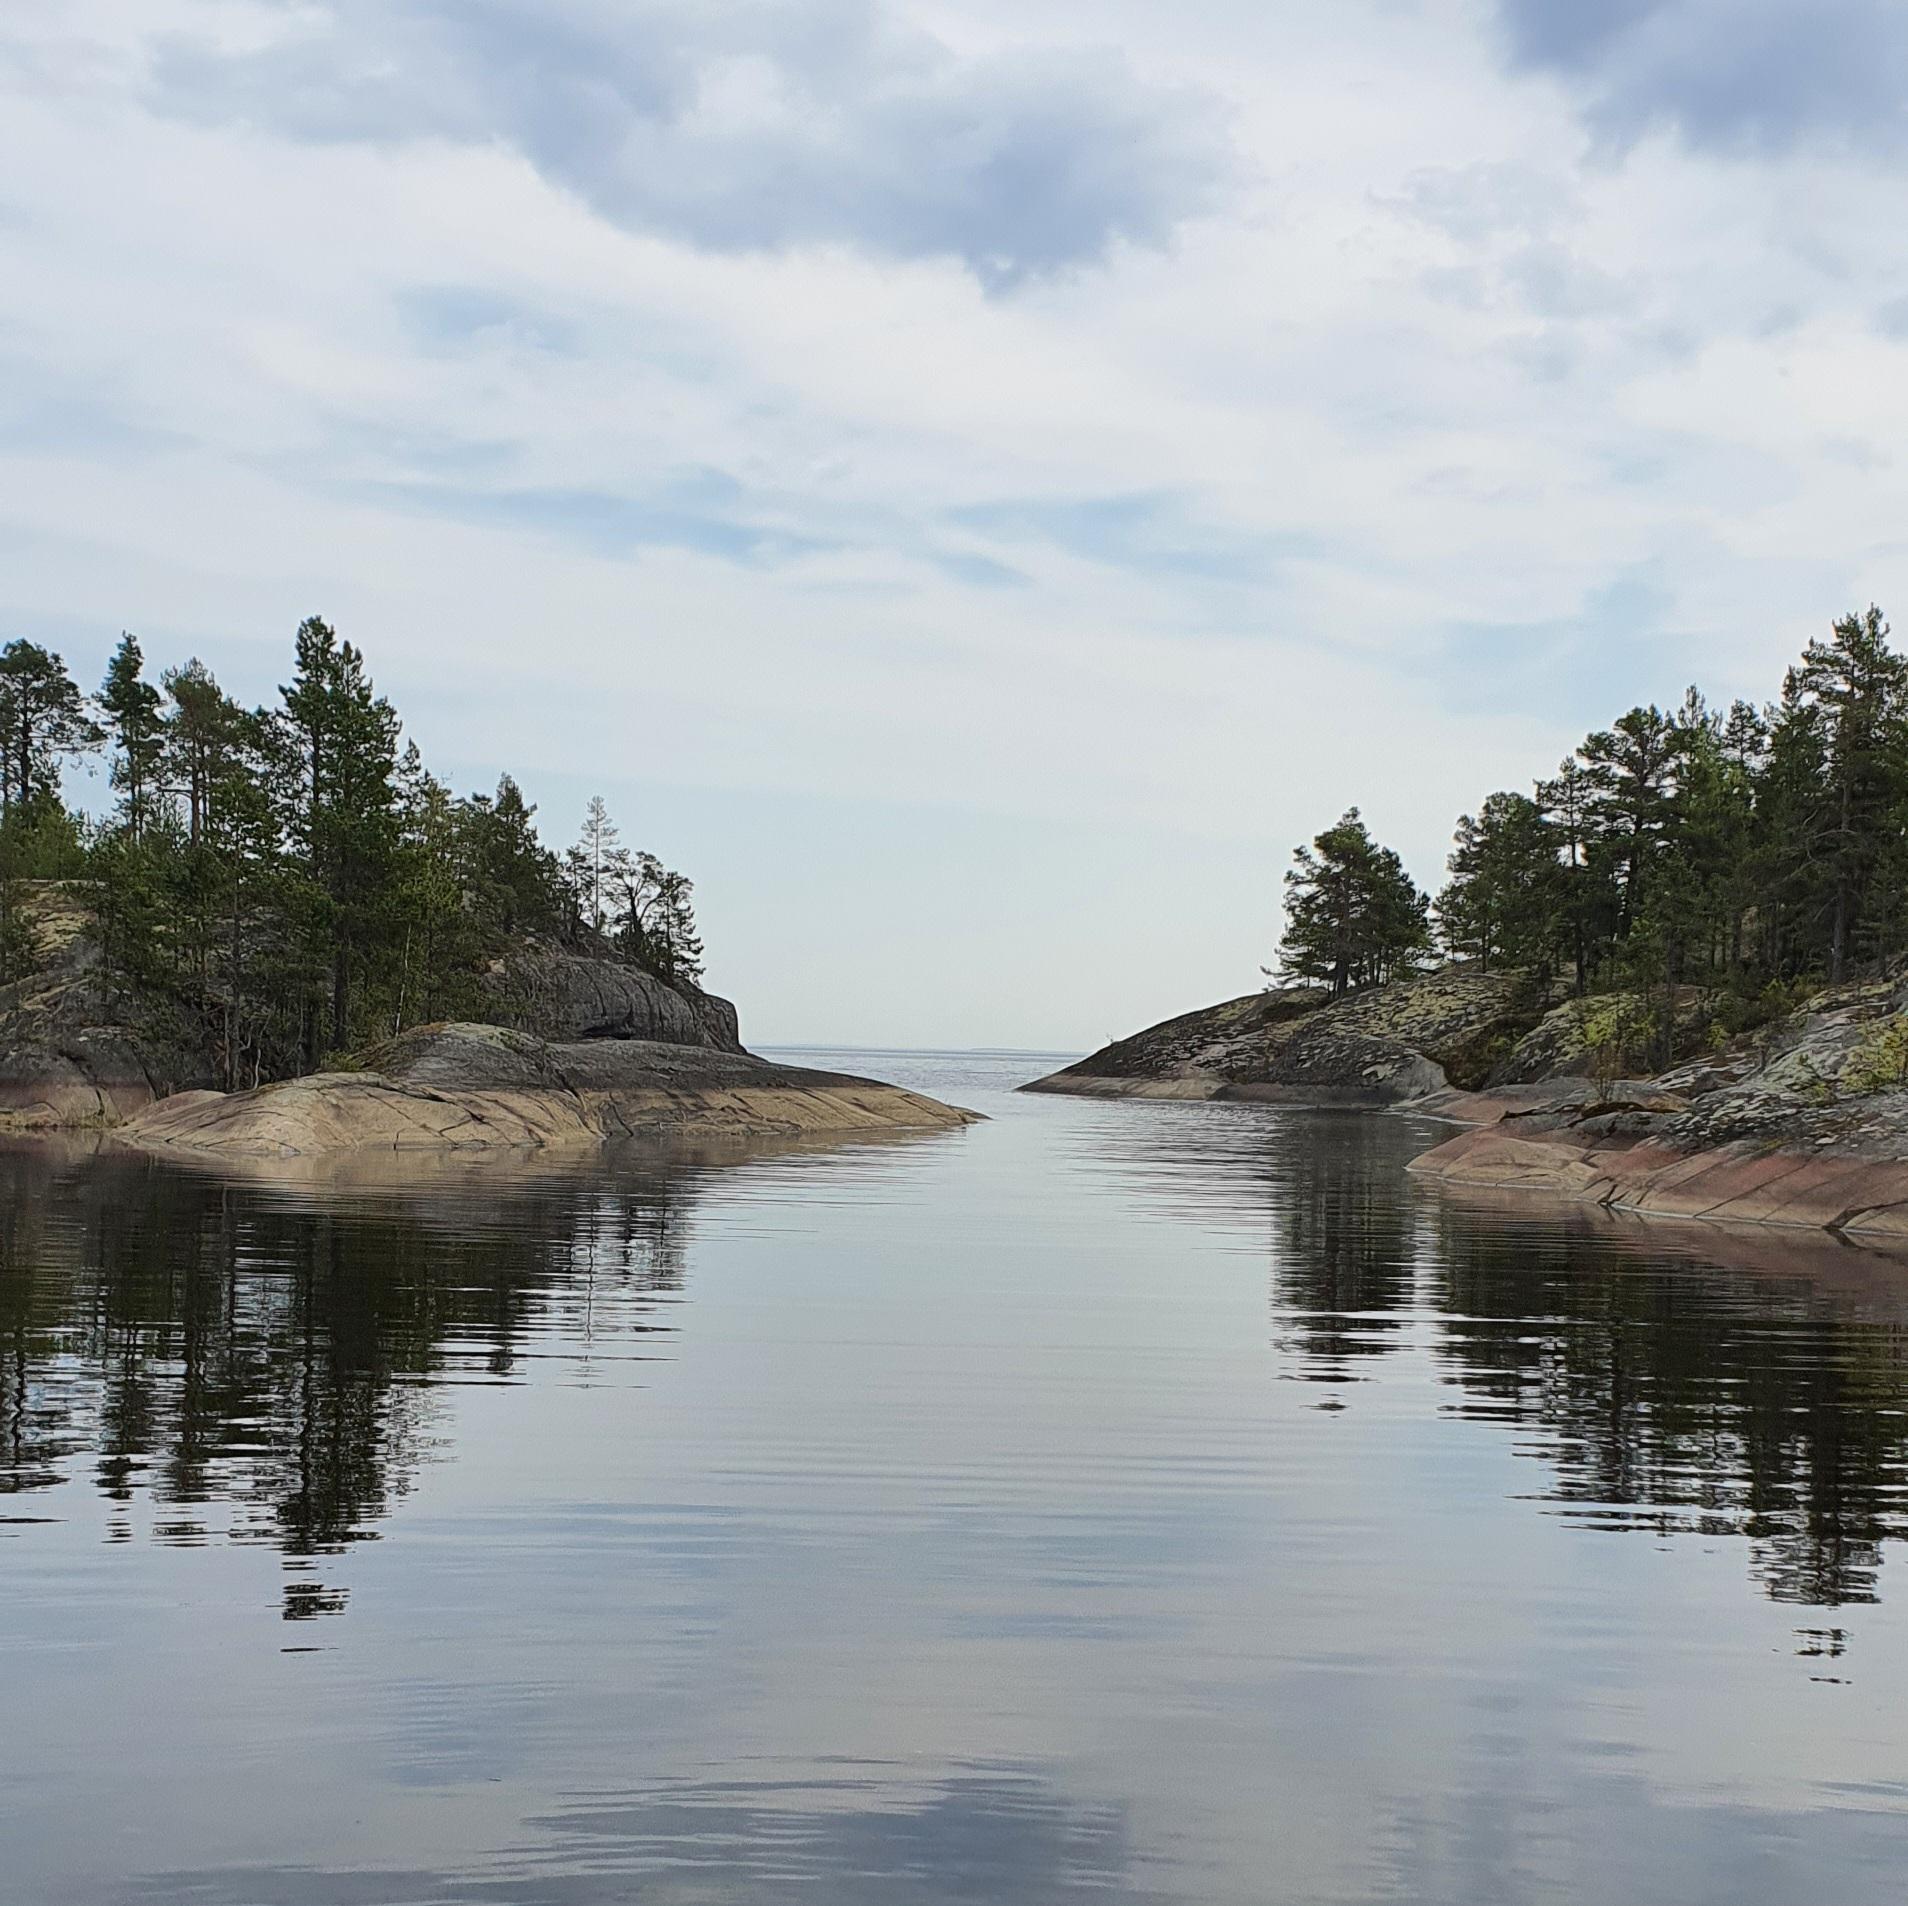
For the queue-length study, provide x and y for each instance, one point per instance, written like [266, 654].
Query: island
[1804, 1122]
[1670, 978]
[288, 939]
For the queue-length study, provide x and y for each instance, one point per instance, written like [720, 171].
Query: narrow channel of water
[1142, 1502]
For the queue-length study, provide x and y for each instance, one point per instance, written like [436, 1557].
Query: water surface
[1124, 1501]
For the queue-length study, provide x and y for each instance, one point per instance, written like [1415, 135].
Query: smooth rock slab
[1741, 1183]
[466, 1087]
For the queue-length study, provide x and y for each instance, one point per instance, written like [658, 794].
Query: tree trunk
[232, 1021]
[340, 999]
[1838, 939]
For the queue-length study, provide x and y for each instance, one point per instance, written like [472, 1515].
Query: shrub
[1880, 1062]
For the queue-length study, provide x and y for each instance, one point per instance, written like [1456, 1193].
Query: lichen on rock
[1381, 1046]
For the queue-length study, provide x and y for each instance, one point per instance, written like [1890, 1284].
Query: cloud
[1736, 76]
[738, 125]
[618, 377]
[703, 511]
[1141, 530]
[449, 317]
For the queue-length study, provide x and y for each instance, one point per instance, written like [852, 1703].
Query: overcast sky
[970, 481]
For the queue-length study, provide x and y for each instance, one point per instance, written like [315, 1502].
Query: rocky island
[1803, 1121]
[576, 1050]
[1674, 978]
[289, 939]
[473, 1086]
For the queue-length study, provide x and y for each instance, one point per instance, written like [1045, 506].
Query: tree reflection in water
[255, 1362]
[1673, 1377]
[273, 1354]
[1753, 1384]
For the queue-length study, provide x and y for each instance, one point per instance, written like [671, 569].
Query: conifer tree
[656, 920]
[593, 864]
[43, 721]
[136, 729]
[1353, 917]
[1860, 686]
[339, 748]
[515, 884]
[1503, 902]
[1631, 769]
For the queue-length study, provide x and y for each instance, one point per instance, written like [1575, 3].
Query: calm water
[1138, 1502]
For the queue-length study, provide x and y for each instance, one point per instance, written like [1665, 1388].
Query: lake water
[1113, 1501]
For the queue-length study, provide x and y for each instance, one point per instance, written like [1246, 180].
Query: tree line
[292, 877]
[1741, 851]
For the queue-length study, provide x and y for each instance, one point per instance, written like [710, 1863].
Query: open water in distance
[1114, 1501]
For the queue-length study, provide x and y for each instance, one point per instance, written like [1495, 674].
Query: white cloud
[1149, 568]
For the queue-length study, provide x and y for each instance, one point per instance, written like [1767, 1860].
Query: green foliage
[286, 876]
[655, 920]
[1880, 1062]
[19, 940]
[135, 729]
[1507, 891]
[43, 721]
[1616, 1032]
[1353, 916]
[1733, 858]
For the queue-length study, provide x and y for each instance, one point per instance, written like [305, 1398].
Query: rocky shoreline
[571, 1049]
[473, 1087]
[1802, 1123]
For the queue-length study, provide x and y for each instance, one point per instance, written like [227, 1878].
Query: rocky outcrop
[76, 1050]
[1826, 1186]
[1804, 1123]
[1298, 1045]
[567, 996]
[468, 1086]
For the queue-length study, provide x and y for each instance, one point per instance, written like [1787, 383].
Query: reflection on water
[1693, 1399]
[258, 1366]
[1156, 1502]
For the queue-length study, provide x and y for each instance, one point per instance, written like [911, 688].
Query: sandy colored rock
[469, 1087]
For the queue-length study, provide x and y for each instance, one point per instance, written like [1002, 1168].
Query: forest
[291, 876]
[1735, 856]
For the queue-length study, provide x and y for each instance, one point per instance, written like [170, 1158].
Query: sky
[973, 484]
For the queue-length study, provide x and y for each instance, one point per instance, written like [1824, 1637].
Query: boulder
[565, 996]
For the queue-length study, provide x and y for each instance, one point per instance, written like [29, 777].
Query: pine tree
[338, 748]
[1504, 898]
[593, 865]
[1631, 769]
[656, 920]
[515, 881]
[1567, 804]
[136, 730]
[43, 721]
[437, 949]
[1860, 685]
[200, 730]
[1353, 917]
